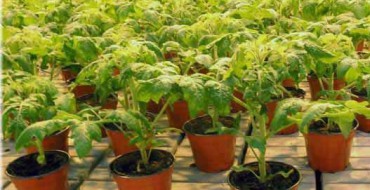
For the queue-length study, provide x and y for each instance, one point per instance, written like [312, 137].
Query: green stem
[241, 103]
[262, 161]
[215, 120]
[52, 71]
[161, 112]
[41, 157]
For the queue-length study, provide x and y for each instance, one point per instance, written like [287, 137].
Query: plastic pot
[153, 107]
[271, 107]
[328, 152]
[120, 143]
[83, 90]
[315, 86]
[235, 107]
[363, 123]
[360, 46]
[289, 82]
[178, 114]
[56, 178]
[57, 141]
[212, 153]
[235, 179]
[159, 180]
[70, 72]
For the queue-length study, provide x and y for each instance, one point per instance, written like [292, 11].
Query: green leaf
[315, 111]
[83, 133]
[256, 142]
[67, 103]
[194, 94]
[39, 131]
[219, 95]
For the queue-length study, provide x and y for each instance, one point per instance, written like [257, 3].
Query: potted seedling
[48, 169]
[213, 136]
[324, 67]
[328, 128]
[131, 89]
[258, 81]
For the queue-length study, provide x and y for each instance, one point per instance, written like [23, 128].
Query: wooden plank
[347, 186]
[347, 176]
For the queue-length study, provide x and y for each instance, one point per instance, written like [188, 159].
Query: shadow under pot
[315, 87]
[363, 122]
[120, 143]
[246, 179]
[328, 151]
[271, 108]
[26, 174]
[56, 141]
[211, 152]
[157, 176]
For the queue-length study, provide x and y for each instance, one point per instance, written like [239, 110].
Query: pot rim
[142, 176]
[204, 135]
[297, 183]
[333, 133]
[45, 174]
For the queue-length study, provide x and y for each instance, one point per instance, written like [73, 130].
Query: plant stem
[262, 161]
[238, 101]
[41, 157]
[161, 112]
[52, 71]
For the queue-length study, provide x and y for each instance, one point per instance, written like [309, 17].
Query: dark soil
[361, 92]
[126, 165]
[27, 166]
[296, 92]
[245, 180]
[200, 125]
[320, 126]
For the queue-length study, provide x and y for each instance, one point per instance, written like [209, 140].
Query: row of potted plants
[222, 53]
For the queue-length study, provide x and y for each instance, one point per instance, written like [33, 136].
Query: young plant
[258, 81]
[335, 115]
[85, 127]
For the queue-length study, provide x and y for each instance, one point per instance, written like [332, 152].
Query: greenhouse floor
[92, 172]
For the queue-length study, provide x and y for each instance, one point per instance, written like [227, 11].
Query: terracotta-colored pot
[58, 141]
[57, 179]
[271, 107]
[116, 71]
[289, 82]
[315, 86]
[170, 55]
[178, 115]
[153, 107]
[212, 153]
[160, 180]
[360, 46]
[363, 123]
[120, 143]
[232, 183]
[110, 104]
[235, 107]
[83, 90]
[68, 75]
[328, 152]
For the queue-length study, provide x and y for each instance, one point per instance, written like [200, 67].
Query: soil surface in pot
[127, 165]
[246, 180]
[202, 124]
[320, 126]
[295, 92]
[27, 166]
[361, 92]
